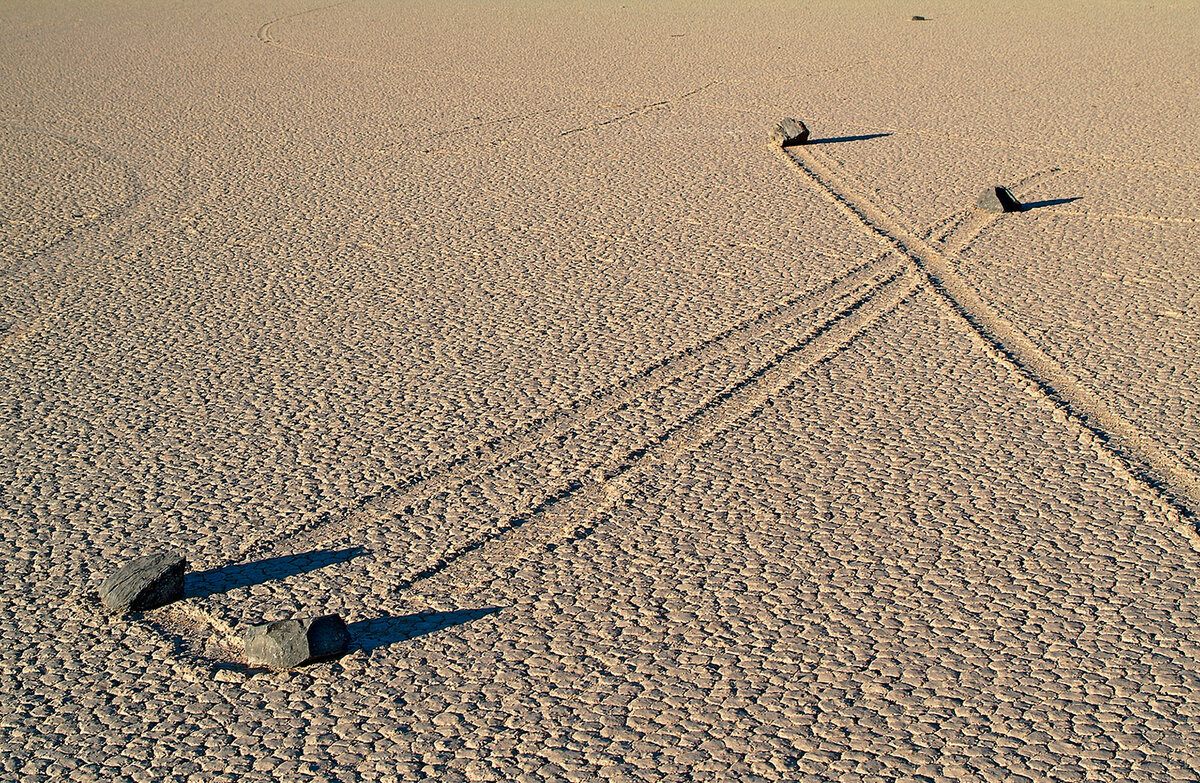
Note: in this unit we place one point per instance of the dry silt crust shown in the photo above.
(628, 447)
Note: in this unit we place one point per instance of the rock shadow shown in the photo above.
(220, 580)
(1050, 202)
(382, 631)
(843, 139)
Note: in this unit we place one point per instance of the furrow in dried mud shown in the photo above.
(574, 515)
(570, 421)
(789, 341)
(1138, 454)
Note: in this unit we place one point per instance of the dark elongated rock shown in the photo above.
(918, 18)
(998, 199)
(286, 644)
(788, 132)
(144, 583)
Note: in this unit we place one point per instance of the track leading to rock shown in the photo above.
(1144, 457)
(610, 442)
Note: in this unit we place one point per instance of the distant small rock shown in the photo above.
(144, 583)
(919, 18)
(789, 132)
(286, 644)
(998, 199)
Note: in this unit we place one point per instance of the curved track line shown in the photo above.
(1055, 382)
(264, 32)
(265, 35)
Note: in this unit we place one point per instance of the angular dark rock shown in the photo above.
(998, 199)
(286, 644)
(918, 18)
(788, 132)
(144, 583)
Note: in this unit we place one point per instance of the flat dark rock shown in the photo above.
(917, 18)
(998, 199)
(789, 132)
(144, 583)
(286, 644)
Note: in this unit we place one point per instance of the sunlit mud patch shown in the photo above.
(51, 188)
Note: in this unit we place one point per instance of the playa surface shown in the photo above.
(629, 447)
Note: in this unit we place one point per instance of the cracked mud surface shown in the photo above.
(628, 447)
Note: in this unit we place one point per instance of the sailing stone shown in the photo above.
(286, 644)
(789, 132)
(998, 199)
(144, 583)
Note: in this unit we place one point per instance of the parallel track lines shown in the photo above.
(574, 515)
(488, 457)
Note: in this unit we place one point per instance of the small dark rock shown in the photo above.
(789, 132)
(918, 18)
(144, 583)
(998, 199)
(286, 644)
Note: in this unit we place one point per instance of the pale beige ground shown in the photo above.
(630, 448)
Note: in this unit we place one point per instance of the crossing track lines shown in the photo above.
(693, 396)
(1141, 456)
(827, 332)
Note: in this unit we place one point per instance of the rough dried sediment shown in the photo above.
(998, 199)
(789, 132)
(263, 343)
(144, 583)
(286, 644)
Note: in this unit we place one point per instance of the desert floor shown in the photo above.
(630, 447)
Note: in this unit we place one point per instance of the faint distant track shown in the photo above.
(573, 513)
(569, 422)
(1096, 214)
(264, 32)
(266, 35)
(661, 104)
(1146, 458)
(133, 184)
(1121, 161)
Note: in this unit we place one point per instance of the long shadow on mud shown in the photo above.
(1050, 202)
(842, 139)
(231, 577)
(381, 631)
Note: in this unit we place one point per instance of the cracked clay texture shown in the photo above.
(628, 447)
